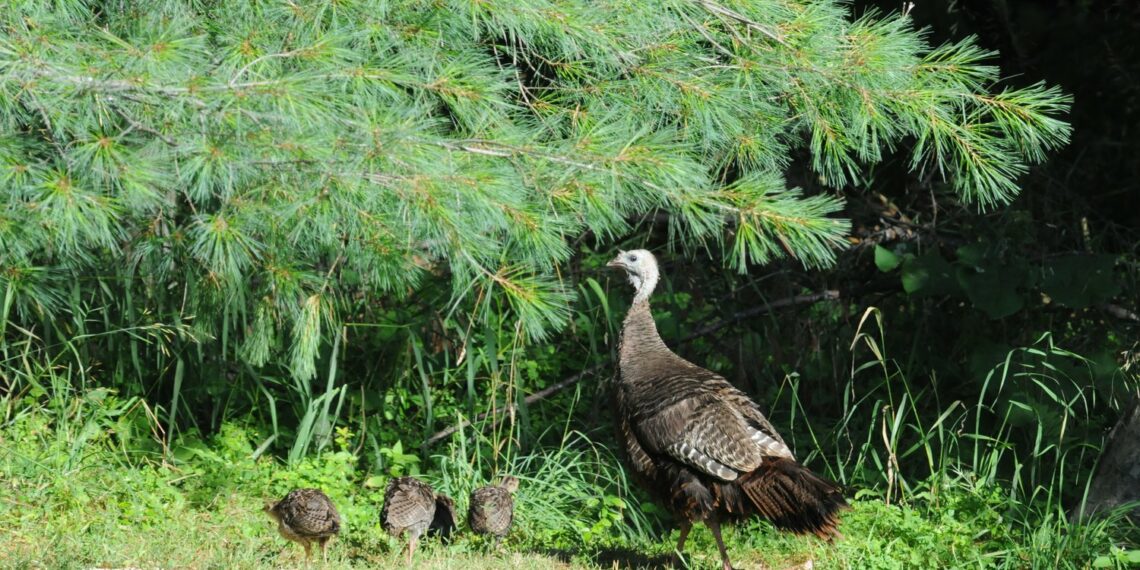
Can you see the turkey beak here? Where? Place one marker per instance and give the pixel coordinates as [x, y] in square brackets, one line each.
[616, 263]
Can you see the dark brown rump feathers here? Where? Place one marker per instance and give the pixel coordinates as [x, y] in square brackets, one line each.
[780, 490]
[792, 497]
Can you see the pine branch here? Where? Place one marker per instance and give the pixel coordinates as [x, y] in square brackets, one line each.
[233, 152]
[733, 15]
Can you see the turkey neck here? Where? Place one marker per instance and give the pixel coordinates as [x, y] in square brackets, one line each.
[641, 349]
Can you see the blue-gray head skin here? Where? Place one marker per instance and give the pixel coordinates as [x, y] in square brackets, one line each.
[641, 268]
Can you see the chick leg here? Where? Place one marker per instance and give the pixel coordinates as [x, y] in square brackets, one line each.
[412, 548]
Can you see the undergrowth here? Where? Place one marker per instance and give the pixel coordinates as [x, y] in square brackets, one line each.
[90, 479]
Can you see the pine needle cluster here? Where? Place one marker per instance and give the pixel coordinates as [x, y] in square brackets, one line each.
[261, 164]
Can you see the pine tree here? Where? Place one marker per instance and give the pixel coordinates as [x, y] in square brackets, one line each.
[252, 169]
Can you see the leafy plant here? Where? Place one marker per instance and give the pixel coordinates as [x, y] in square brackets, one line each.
[998, 285]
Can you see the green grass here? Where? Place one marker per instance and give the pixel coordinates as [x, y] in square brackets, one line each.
[201, 508]
[88, 479]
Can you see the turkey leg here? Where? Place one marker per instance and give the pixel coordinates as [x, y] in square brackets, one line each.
[411, 549]
[714, 526]
[324, 553]
[685, 528]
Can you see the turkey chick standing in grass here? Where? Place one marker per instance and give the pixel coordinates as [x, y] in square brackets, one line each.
[411, 506]
[702, 446]
[492, 508]
[305, 516]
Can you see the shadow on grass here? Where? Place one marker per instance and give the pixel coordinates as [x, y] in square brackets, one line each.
[623, 558]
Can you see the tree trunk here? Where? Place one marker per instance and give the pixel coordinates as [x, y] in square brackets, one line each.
[1116, 480]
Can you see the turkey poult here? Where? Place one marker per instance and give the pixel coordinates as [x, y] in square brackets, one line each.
[305, 516]
[700, 444]
[411, 506]
[492, 508]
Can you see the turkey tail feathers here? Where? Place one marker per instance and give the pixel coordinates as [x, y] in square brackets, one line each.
[793, 498]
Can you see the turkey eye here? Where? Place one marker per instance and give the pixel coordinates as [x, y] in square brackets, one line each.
[633, 258]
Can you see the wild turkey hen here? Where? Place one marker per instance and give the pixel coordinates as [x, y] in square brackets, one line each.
[305, 516]
[411, 506]
[492, 508]
[699, 443]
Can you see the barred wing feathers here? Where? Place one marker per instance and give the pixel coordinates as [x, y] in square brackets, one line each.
[491, 510]
[409, 505]
[702, 424]
[308, 513]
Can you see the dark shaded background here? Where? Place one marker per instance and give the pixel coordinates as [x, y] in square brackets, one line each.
[1091, 49]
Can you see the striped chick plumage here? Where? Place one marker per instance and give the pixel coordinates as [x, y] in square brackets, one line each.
[412, 507]
[492, 508]
[306, 516]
